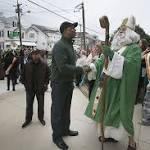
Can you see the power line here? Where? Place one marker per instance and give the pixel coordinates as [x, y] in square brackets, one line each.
[51, 11]
[33, 9]
[64, 10]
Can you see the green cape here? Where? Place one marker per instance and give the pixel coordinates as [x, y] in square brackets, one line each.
[120, 93]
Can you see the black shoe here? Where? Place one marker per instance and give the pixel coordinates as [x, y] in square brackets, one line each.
[8, 89]
[71, 133]
[131, 148]
[61, 144]
[14, 90]
[143, 123]
[109, 140]
[26, 123]
[42, 122]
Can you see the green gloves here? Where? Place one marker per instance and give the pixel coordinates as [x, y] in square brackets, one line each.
[107, 51]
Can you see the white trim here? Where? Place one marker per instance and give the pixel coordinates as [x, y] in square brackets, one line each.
[92, 74]
[96, 101]
[112, 132]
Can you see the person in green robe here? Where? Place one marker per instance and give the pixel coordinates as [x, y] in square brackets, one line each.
[121, 86]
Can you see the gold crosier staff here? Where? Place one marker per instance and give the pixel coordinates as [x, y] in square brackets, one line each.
[104, 23]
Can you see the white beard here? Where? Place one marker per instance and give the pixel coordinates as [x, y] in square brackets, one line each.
[122, 39]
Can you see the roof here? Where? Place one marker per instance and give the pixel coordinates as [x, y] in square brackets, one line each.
[27, 43]
[87, 35]
[3, 19]
[45, 29]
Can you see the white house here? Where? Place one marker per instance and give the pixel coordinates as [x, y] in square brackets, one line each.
[38, 36]
[6, 26]
[53, 37]
[90, 40]
[44, 37]
[34, 34]
[9, 34]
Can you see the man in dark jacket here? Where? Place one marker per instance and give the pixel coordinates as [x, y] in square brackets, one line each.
[35, 77]
[63, 72]
[10, 67]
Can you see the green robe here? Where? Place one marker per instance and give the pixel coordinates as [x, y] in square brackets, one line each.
[120, 94]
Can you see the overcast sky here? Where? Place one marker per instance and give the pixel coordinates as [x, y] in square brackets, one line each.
[116, 10]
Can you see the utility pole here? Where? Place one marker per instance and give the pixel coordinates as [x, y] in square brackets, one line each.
[18, 11]
[80, 35]
[83, 18]
[78, 8]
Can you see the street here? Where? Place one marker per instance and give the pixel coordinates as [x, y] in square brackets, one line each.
[37, 137]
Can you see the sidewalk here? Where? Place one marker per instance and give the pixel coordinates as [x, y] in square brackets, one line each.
[3, 86]
[37, 137]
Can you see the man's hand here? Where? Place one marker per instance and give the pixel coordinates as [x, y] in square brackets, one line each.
[147, 50]
[99, 47]
[7, 72]
[45, 87]
[105, 50]
[86, 69]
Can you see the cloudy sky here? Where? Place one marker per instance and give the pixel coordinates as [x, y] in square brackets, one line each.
[116, 10]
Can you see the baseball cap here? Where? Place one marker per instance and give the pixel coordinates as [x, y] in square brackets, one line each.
[66, 24]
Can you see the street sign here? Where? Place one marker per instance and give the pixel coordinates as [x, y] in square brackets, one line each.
[13, 34]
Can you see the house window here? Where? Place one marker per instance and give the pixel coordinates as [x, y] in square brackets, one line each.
[2, 34]
[31, 35]
[7, 33]
[23, 35]
[14, 24]
[2, 45]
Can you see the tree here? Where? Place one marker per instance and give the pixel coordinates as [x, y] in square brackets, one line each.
[142, 33]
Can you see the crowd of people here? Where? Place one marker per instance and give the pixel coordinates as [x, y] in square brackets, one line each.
[12, 61]
[115, 85]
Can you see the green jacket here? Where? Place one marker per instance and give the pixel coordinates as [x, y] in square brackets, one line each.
[64, 61]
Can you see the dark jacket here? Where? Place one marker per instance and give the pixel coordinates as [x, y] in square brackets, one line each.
[63, 66]
[8, 61]
[35, 77]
